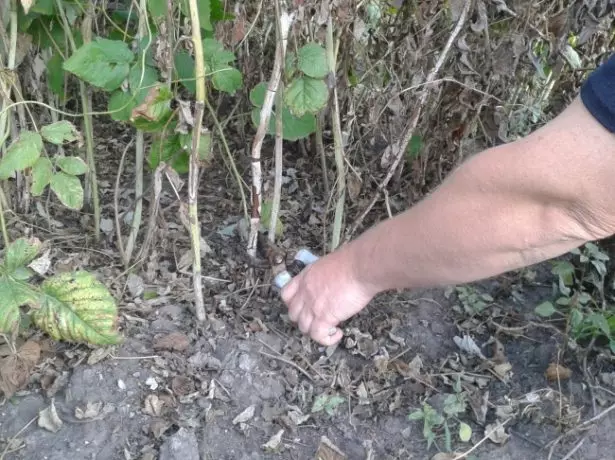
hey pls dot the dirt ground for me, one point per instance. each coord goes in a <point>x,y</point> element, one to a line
<point>245,384</point>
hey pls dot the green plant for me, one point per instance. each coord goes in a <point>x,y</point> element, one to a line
<point>473,302</point>
<point>306,93</point>
<point>435,422</point>
<point>73,306</point>
<point>579,296</point>
<point>59,172</point>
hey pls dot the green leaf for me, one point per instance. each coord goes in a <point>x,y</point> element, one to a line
<point>76,307</point>
<point>140,80</point>
<point>44,7</point>
<point>184,68</point>
<point>157,9</point>
<point>21,154</point>
<point>217,59</point>
<point>14,294</point>
<point>73,166</point>
<point>266,208</point>
<point>306,95</point>
<point>416,415</point>
<point>55,74</point>
<point>20,253</point>
<point>204,12</point>
<point>120,105</point>
<point>257,94</point>
<point>294,128</point>
<point>328,403</point>
<point>41,175</point>
<point>155,111</point>
<point>204,152</point>
<point>465,432</point>
<point>169,149</point>
<point>60,132</point>
<point>414,147</point>
<point>599,321</point>
<point>545,309</point>
<point>68,189</point>
<point>102,63</point>
<point>312,60</point>
<point>228,80</point>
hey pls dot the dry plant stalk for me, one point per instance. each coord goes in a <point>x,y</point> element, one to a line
<point>286,21</point>
<point>340,165</point>
<point>401,147</point>
<point>279,142</point>
<point>193,177</point>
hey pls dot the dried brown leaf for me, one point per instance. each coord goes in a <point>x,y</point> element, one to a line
<point>15,369</point>
<point>48,418</point>
<point>557,372</point>
<point>175,341</point>
<point>329,451</point>
<point>153,405</point>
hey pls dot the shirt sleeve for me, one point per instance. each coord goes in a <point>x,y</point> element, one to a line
<point>598,94</point>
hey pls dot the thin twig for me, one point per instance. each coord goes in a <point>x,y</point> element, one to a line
<point>284,360</point>
<point>475,446</point>
<point>400,147</point>
<point>8,443</point>
<point>116,205</point>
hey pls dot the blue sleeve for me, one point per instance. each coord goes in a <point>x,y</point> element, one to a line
<point>598,94</point>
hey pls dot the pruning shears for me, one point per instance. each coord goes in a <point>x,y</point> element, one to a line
<point>283,272</point>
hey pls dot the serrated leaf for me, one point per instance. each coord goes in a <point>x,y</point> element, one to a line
<point>73,166</point>
<point>140,80</point>
<point>257,94</point>
<point>184,68</point>
<point>120,105</point>
<point>13,294</point>
<point>20,253</point>
<point>204,12</point>
<point>76,307</point>
<point>465,432</point>
<point>21,154</point>
<point>154,112</point>
<point>294,128</point>
<point>68,189</point>
<point>328,403</point>
<point>545,309</point>
<point>102,63</point>
<point>204,152</point>
<point>41,175</point>
<point>157,9</point>
<point>599,321</point>
<point>312,60</point>
<point>228,80</point>
<point>169,149</point>
<point>60,132</point>
<point>306,95</point>
<point>55,74</point>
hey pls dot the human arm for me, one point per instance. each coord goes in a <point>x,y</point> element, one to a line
<point>505,208</point>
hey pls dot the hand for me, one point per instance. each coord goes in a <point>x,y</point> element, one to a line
<point>324,294</point>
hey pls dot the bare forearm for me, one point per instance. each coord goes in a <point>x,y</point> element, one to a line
<point>498,212</point>
<point>461,234</point>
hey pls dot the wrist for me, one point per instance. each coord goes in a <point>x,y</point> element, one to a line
<point>356,262</point>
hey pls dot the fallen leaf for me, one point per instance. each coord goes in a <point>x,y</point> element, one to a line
<point>274,443</point>
<point>468,345</point>
<point>329,451</point>
<point>91,410</point>
<point>557,372</point>
<point>465,432</point>
<point>42,264</point>
<point>181,385</point>
<point>15,369</point>
<point>175,341</point>
<point>48,418</point>
<point>158,427</point>
<point>98,355</point>
<point>496,433</point>
<point>503,369</point>
<point>246,415</point>
<point>153,405</point>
